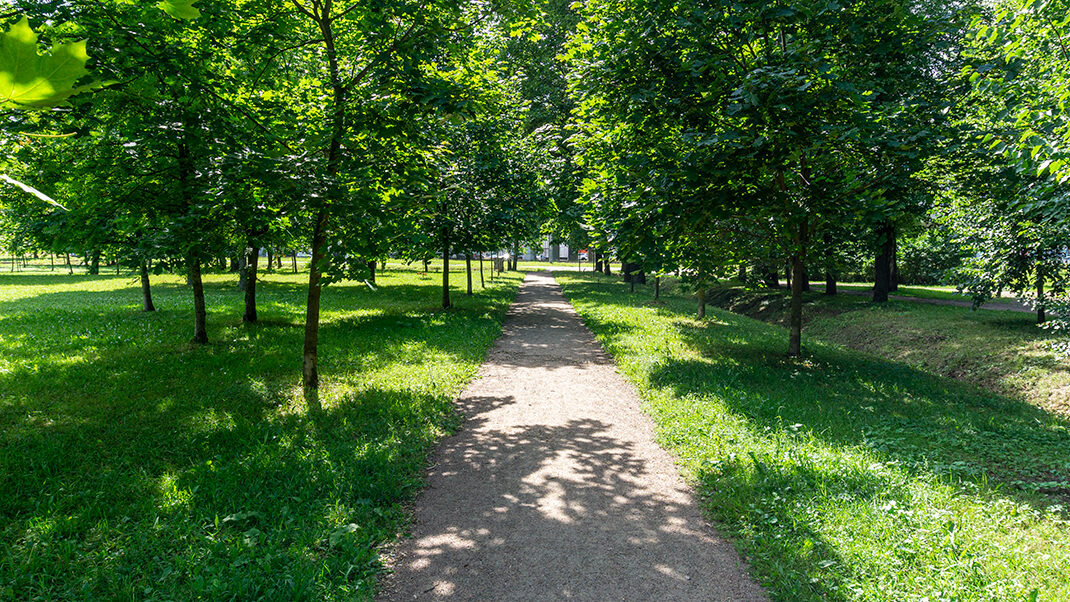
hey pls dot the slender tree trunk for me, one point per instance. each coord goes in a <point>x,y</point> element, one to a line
<point>252,259</point>
<point>606,267</point>
<point>446,304</point>
<point>482,284</point>
<point>701,302</point>
<point>94,265</point>
<point>795,320</point>
<point>882,264</point>
<point>52,262</point>
<point>270,260</point>
<point>1041,317</point>
<point>200,317</point>
<point>805,280</point>
<point>468,269</point>
<point>310,378</point>
<point>787,275</point>
<point>146,290</point>
<point>371,270</point>
<point>70,268</point>
<point>657,287</point>
<point>293,256</point>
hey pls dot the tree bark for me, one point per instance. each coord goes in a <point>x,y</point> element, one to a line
<point>243,273</point>
<point>270,260</point>
<point>882,265</point>
<point>293,256</point>
<point>830,283</point>
<point>371,270</point>
<point>251,262</point>
<point>787,275</point>
<point>146,290</point>
<point>606,267</point>
<point>805,280</point>
<point>701,302</point>
<point>70,268</point>
<point>482,283</point>
<point>1041,317</point>
<point>200,317</point>
<point>795,321</point>
<point>657,287</point>
<point>310,378</point>
<point>468,270</point>
<point>94,264</point>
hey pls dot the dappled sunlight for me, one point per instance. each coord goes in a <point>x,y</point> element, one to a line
<point>837,466</point>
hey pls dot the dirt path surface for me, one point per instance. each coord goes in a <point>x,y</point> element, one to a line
<point>554,489</point>
<point>997,306</point>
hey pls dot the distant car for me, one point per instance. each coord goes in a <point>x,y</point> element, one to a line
<point>583,256</point>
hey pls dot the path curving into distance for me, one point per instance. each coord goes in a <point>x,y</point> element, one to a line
<point>554,489</point>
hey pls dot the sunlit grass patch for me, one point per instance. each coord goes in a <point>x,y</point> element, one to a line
<point>134,465</point>
<point>843,476</point>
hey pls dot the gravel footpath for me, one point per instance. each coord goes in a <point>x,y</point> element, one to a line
<point>554,488</point>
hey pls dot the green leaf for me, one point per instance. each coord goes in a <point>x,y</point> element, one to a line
<point>29,79</point>
<point>180,9</point>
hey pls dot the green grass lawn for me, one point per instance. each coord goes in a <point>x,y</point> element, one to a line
<point>136,466</point>
<point>842,475</point>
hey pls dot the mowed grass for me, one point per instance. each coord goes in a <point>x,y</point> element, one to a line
<point>136,466</point>
<point>840,475</point>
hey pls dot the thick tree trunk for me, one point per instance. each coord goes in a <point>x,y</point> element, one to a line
<point>310,378</point>
<point>1041,317</point>
<point>251,262</point>
<point>830,283</point>
<point>200,315</point>
<point>606,267</point>
<point>795,320</point>
<point>446,304</point>
<point>371,270</point>
<point>805,280</point>
<point>701,302</point>
<point>94,264</point>
<point>146,290</point>
<point>468,271</point>
<point>883,264</point>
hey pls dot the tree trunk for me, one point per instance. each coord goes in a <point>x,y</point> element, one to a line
<point>830,283</point>
<point>200,318</point>
<point>52,262</point>
<point>468,270</point>
<point>235,264</point>
<point>70,268</point>
<point>606,267</point>
<point>795,321</point>
<point>251,262</point>
<point>243,273</point>
<point>94,265</point>
<point>446,304</point>
<point>427,266</point>
<point>805,280</point>
<point>293,256</point>
<point>310,378</point>
<point>701,302</point>
<point>657,287</point>
<point>482,284</point>
<point>883,264</point>
<point>787,275</point>
<point>270,260</point>
<point>1041,317</point>
<point>371,270</point>
<point>146,291</point>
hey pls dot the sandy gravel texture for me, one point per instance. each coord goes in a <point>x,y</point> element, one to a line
<point>554,488</point>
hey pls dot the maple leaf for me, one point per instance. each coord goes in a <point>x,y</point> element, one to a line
<point>31,79</point>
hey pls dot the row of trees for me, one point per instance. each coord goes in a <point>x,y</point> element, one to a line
<point>755,134</point>
<point>684,136</point>
<point>221,128</point>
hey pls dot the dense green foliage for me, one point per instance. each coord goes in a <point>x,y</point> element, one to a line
<point>845,476</point>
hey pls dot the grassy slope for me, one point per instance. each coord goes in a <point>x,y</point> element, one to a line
<point>1000,351</point>
<point>842,476</point>
<point>134,466</point>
